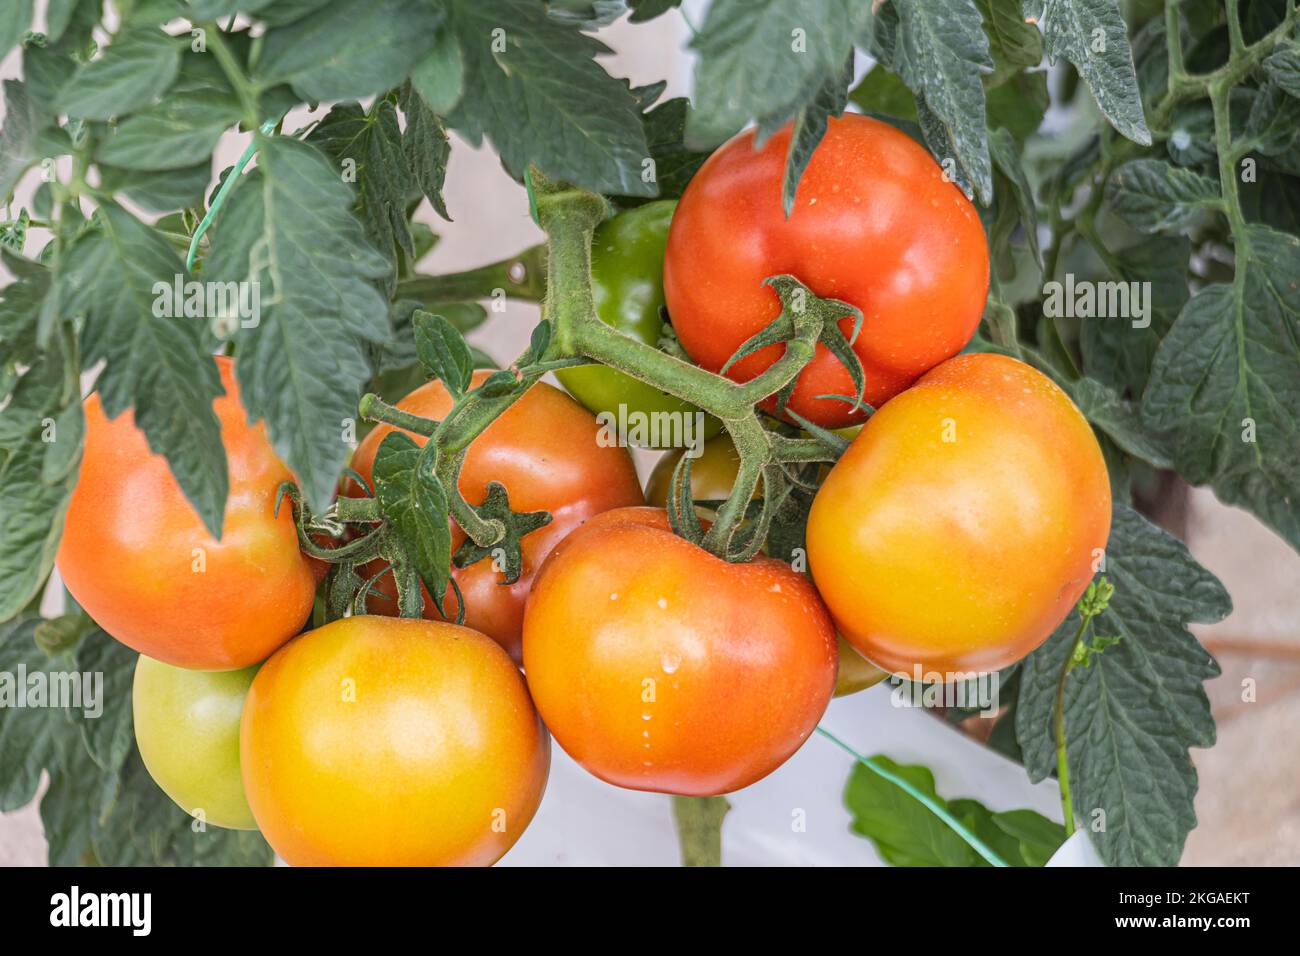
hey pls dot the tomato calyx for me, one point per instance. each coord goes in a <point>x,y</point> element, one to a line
<point>806,319</point>
<point>508,551</point>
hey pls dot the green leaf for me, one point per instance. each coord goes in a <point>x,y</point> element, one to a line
<point>1019,104</point>
<point>1006,158</point>
<point>904,831</point>
<point>1222,393</point>
<point>442,351</point>
<point>699,828</point>
<point>1118,419</point>
<point>20,144</point>
<point>14,235</point>
<point>643,10</point>
<point>59,14</point>
<point>336,55</point>
<point>15,18</point>
<point>413,499</point>
<point>304,367</point>
<point>425,144</point>
<point>1013,44</point>
<point>397,361</point>
<point>674,162</point>
<point>1038,836</point>
<point>154,365</point>
<point>145,828</point>
<point>63,452</point>
<point>30,737</point>
<point>1283,66</point>
<point>1115,351</point>
<point>1092,35</point>
<point>182,130</point>
<point>163,191</point>
<point>1272,123</point>
<point>1131,717</point>
<point>941,53</point>
<point>139,65</point>
<point>108,737</point>
<point>1153,196</point>
<point>983,822</point>
<point>32,508</point>
<point>533,88</point>
<point>766,59</point>
<point>881,91</point>
<point>440,77</point>
<point>809,128</point>
<point>20,306</point>
<point>68,810</point>
<point>368,148</point>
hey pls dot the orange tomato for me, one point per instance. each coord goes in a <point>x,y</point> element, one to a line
<point>964,522</point>
<point>544,450</point>
<point>874,224</point>
<point>136,556</point>
<point>377,741</point>
<point>660,667</point>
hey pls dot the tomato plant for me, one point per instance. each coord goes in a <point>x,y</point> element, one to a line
<point>368,713</point>
<point>880,215</point>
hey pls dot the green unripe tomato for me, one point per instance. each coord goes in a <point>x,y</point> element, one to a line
<point>627,266</point>
<point>187,728</point>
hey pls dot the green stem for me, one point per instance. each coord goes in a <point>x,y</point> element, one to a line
<point>1062,763</point>
<point>481,531</point>
<point>1174,44</point>
<point>1235,42</point>
<point>521,276</point>
<point>1220,94</point>
<point>244,89</point>
<point>797,449</point>
<point>375,409</point>
<point>929,802</point>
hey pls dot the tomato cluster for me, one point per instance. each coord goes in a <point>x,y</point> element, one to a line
<point>954,534</point>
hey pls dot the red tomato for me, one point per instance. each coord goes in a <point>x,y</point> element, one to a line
<point>964,522</point>
<point>660,667</point>
<point>544,450</point>
<point>138,559</point>
<point>874,224</point>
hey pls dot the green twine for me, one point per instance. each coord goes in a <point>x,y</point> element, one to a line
<point>267,127</point>
<point>928,801</point>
